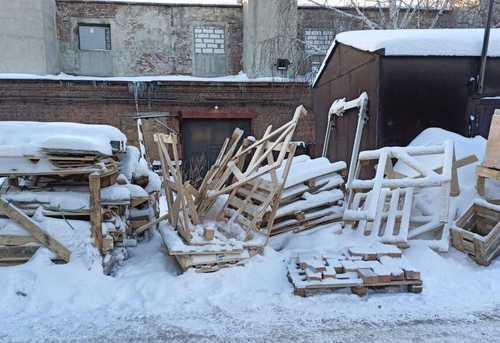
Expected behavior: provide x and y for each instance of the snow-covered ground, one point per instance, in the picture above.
(148, 298)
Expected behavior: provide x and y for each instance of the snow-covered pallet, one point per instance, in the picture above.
(376, 267)
(477, 232)
(387, 206)
(313, 195)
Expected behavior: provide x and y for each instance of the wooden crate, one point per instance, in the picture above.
(477, 233)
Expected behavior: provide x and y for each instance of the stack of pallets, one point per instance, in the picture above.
(67, 171)
(313, 195)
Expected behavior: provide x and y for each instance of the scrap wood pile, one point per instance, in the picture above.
(360, 268)
(69, 171)
(206, 236)
(312, 196)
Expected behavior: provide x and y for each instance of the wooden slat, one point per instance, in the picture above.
(16, 240)
(26, 222)
(95, 209)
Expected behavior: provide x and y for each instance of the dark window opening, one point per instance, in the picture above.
(94, 37)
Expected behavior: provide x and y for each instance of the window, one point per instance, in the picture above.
(94, 37)
(318, 41)
(209, 40)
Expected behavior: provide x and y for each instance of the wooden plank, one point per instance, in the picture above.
(16, 240)
(492, 157)
(18, 252)
(95, 209)
(26, 222)
(151, 224)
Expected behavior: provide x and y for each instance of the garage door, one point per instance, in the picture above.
(202, 140)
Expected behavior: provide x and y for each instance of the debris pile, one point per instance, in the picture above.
(230, 216)
(313, 195)
(70, 171)
(361, 267)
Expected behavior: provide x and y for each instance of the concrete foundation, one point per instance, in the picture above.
(28, 42)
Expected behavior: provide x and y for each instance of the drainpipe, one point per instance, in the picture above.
(484, 52)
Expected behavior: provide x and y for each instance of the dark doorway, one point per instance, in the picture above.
(202, 140)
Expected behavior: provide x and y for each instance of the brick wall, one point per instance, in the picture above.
(114, 104)
(149, 39)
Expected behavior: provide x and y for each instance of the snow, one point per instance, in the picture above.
(413, 42)
(57, 135)
(181, 2)
(237, 3)
(147, 299)
(241, 77)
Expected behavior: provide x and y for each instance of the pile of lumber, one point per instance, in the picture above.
(69, 171)
(374, 266)
(312, 196)
(490, 168)
(230, 216)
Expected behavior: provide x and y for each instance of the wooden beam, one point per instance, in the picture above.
(16, 240)
(95, 209)
(18, 216)
(151, 224)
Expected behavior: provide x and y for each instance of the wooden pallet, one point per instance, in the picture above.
(477, 232)
(360, 269)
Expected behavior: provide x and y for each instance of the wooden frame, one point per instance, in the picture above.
(366, 210)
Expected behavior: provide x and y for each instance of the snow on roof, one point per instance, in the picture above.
(424, 42)
(237, 3)
(239, 78)
(181, 2)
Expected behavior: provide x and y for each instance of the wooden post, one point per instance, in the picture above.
(95, 209)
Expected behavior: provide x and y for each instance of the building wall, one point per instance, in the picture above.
(114, 104)
(269, 33)
(151, 39)
(28, 41)
(437, 95)
(317, 28)
(349, 73)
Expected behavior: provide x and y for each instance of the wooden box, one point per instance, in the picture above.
(492, 158)
(477, 233)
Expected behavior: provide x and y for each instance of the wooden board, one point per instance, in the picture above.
(34, 229)
(492, 157)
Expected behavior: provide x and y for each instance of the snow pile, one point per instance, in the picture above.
(37, 136)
